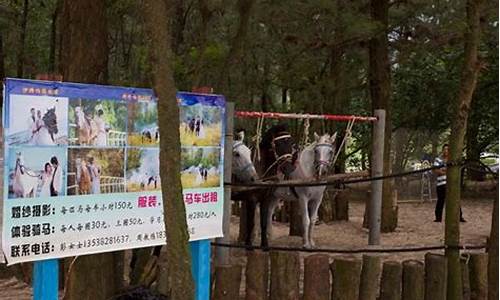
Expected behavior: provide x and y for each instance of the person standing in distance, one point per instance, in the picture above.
(441, 184)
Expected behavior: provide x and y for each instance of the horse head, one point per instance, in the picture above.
(19, 161)
(50, 120)
(324, 152)
(242, 165)
(279, 148)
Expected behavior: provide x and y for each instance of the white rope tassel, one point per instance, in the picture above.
(347, 135)
(258, 137)
(306, 132)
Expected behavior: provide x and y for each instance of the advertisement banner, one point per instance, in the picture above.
(82, 171)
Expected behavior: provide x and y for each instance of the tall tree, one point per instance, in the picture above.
(470, 72)
(84, 59)
(84, 55)
(179, 282)
(380, 91)
(22, 39)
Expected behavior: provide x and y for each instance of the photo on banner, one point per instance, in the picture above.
(200, 167)
(37, 121)
(200, 125)
(97, 123)
(143, 169)
(143, 131)
(94, 171)
(36, 172)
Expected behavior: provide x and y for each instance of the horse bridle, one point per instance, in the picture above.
(245, 167)
(326, 163)
(281, 136)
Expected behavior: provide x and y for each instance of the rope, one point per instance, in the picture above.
(347, 135)
(352, 251)
(258, 137)
(342, 181)
(306, 132)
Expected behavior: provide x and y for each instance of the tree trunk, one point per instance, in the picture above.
(493, 254)
(85, 60)
(237, 43)
(22, 39)
(468, 82)
(53, 37)
(179, 283)
(84, 53)
(380, 91)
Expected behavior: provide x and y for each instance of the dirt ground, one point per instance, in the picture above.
(415, 228)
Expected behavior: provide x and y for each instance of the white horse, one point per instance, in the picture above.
(25, 181)
(311, 163)
(242, 165)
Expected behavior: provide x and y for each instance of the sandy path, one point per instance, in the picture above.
(415, 228)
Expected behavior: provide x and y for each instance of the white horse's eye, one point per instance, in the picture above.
(236, 154)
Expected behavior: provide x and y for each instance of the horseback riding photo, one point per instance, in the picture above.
(43, 123)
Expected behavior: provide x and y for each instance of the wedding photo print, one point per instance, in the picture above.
(200, 125)
(36, 172)
(95, 171)
(143, 124)
(200, 167)
(39, 121)
(97, 123)
(143, 170)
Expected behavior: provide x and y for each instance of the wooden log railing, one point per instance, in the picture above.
(277, 275)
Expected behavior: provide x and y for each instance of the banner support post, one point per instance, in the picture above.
(200, 260)
(46, 279)
(46, 272)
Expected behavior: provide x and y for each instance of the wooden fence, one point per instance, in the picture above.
(276, 275)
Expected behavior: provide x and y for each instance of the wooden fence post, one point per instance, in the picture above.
(317, 277)
(413, 280)
(285, 275)
(346, 277)
(478, 276)
(436, 276)
(464, 266)
(376, 185)
(257, 275)
(222, 253)
(493, 253)
(227, 282)
(370, 277)
(390, 283)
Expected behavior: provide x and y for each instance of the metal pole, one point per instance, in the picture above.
(377, 169)
(222, 253)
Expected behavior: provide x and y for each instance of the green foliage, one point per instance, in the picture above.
(288, 53)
